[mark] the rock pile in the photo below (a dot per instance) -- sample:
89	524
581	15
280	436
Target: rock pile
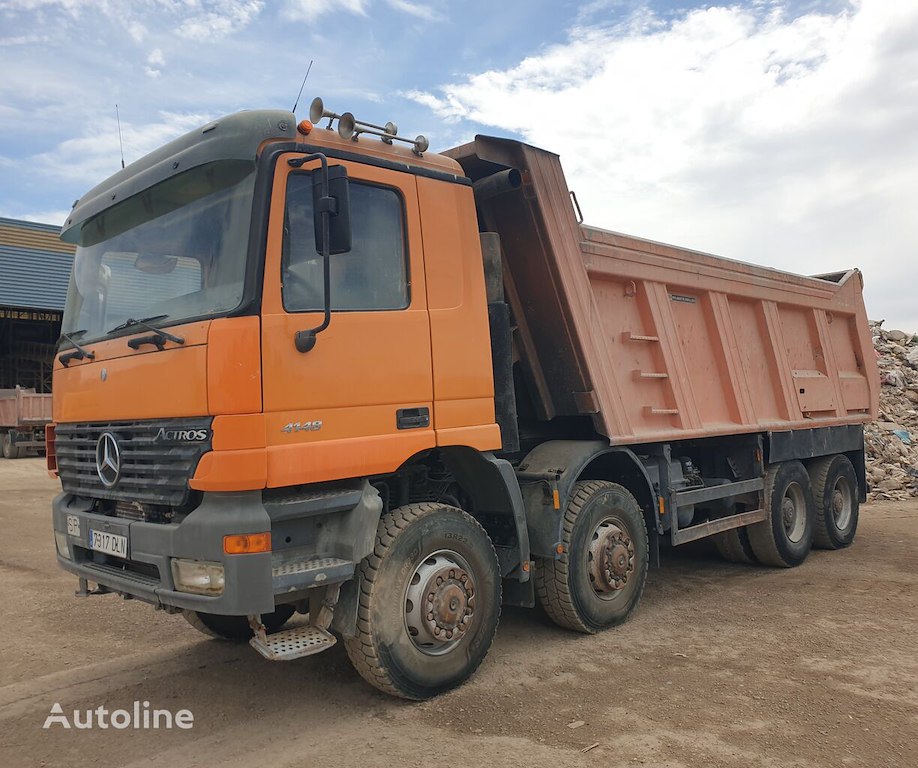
892	440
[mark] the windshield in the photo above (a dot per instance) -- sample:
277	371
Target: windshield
175	251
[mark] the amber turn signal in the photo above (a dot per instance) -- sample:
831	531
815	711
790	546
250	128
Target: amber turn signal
304	127
246	543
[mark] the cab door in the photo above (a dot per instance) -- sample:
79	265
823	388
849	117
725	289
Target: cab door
360	401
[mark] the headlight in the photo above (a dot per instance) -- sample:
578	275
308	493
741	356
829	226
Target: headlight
198	576
60	541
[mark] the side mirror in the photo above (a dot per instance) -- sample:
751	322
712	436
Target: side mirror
339	222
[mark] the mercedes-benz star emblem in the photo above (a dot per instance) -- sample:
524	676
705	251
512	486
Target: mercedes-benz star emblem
108	460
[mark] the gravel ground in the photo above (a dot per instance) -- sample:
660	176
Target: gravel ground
723	665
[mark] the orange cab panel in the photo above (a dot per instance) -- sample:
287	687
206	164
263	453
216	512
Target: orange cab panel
360	402
460	336
234	365
123	384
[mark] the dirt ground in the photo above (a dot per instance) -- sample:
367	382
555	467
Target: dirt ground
722	665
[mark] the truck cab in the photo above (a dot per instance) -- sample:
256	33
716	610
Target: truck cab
211	460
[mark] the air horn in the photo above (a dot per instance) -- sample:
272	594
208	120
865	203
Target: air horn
349	127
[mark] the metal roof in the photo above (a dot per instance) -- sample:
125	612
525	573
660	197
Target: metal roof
34	265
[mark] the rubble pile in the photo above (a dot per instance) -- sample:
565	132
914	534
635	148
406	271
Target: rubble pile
892	440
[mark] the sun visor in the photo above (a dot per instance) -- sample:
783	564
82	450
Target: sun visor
235	137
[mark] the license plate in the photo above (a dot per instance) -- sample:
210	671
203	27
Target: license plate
109	543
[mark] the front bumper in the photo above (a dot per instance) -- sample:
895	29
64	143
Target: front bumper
317	545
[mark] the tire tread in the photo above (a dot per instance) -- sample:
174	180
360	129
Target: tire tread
733	549
361	649
761	536
819	475
552	576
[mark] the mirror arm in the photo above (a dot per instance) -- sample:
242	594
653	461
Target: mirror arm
306	340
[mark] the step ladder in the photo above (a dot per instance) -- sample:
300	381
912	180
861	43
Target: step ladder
292	643
297	642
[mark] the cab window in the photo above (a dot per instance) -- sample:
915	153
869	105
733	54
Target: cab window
373	275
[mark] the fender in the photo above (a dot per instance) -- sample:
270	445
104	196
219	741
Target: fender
491	483
547	476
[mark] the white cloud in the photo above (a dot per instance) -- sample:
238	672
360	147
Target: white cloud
137	31
309	10
784	141
96	155
219	19
421	10
23	40
56	217
155	62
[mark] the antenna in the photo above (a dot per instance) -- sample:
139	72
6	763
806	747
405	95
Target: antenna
120	140
295	103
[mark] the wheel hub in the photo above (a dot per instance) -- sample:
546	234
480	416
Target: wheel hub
793	513
611	558
789	512
440	602
842	503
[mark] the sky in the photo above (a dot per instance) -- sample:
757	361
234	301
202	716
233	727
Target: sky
778	132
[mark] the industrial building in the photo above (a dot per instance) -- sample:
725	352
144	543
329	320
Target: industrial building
34	272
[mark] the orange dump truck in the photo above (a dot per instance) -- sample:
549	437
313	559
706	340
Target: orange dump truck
23	416
328	372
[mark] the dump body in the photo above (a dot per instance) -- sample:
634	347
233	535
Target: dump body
24	408
23	415
658	343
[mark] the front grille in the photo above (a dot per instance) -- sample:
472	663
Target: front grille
142	513
154	468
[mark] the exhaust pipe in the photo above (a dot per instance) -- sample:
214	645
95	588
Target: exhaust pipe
497	184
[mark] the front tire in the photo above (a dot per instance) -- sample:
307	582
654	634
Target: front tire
599	578
785	537
236	627
8	447
429	602
837	503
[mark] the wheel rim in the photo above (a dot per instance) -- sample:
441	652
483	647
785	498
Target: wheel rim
440	602
842	503
611	558
793	513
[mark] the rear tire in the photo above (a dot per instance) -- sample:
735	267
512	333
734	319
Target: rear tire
785	537
236	627
734	546
429	602
837	504
598	580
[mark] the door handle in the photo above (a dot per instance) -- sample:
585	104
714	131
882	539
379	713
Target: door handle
412	418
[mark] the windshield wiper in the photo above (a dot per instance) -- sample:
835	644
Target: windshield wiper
79	352
158	338
130	322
